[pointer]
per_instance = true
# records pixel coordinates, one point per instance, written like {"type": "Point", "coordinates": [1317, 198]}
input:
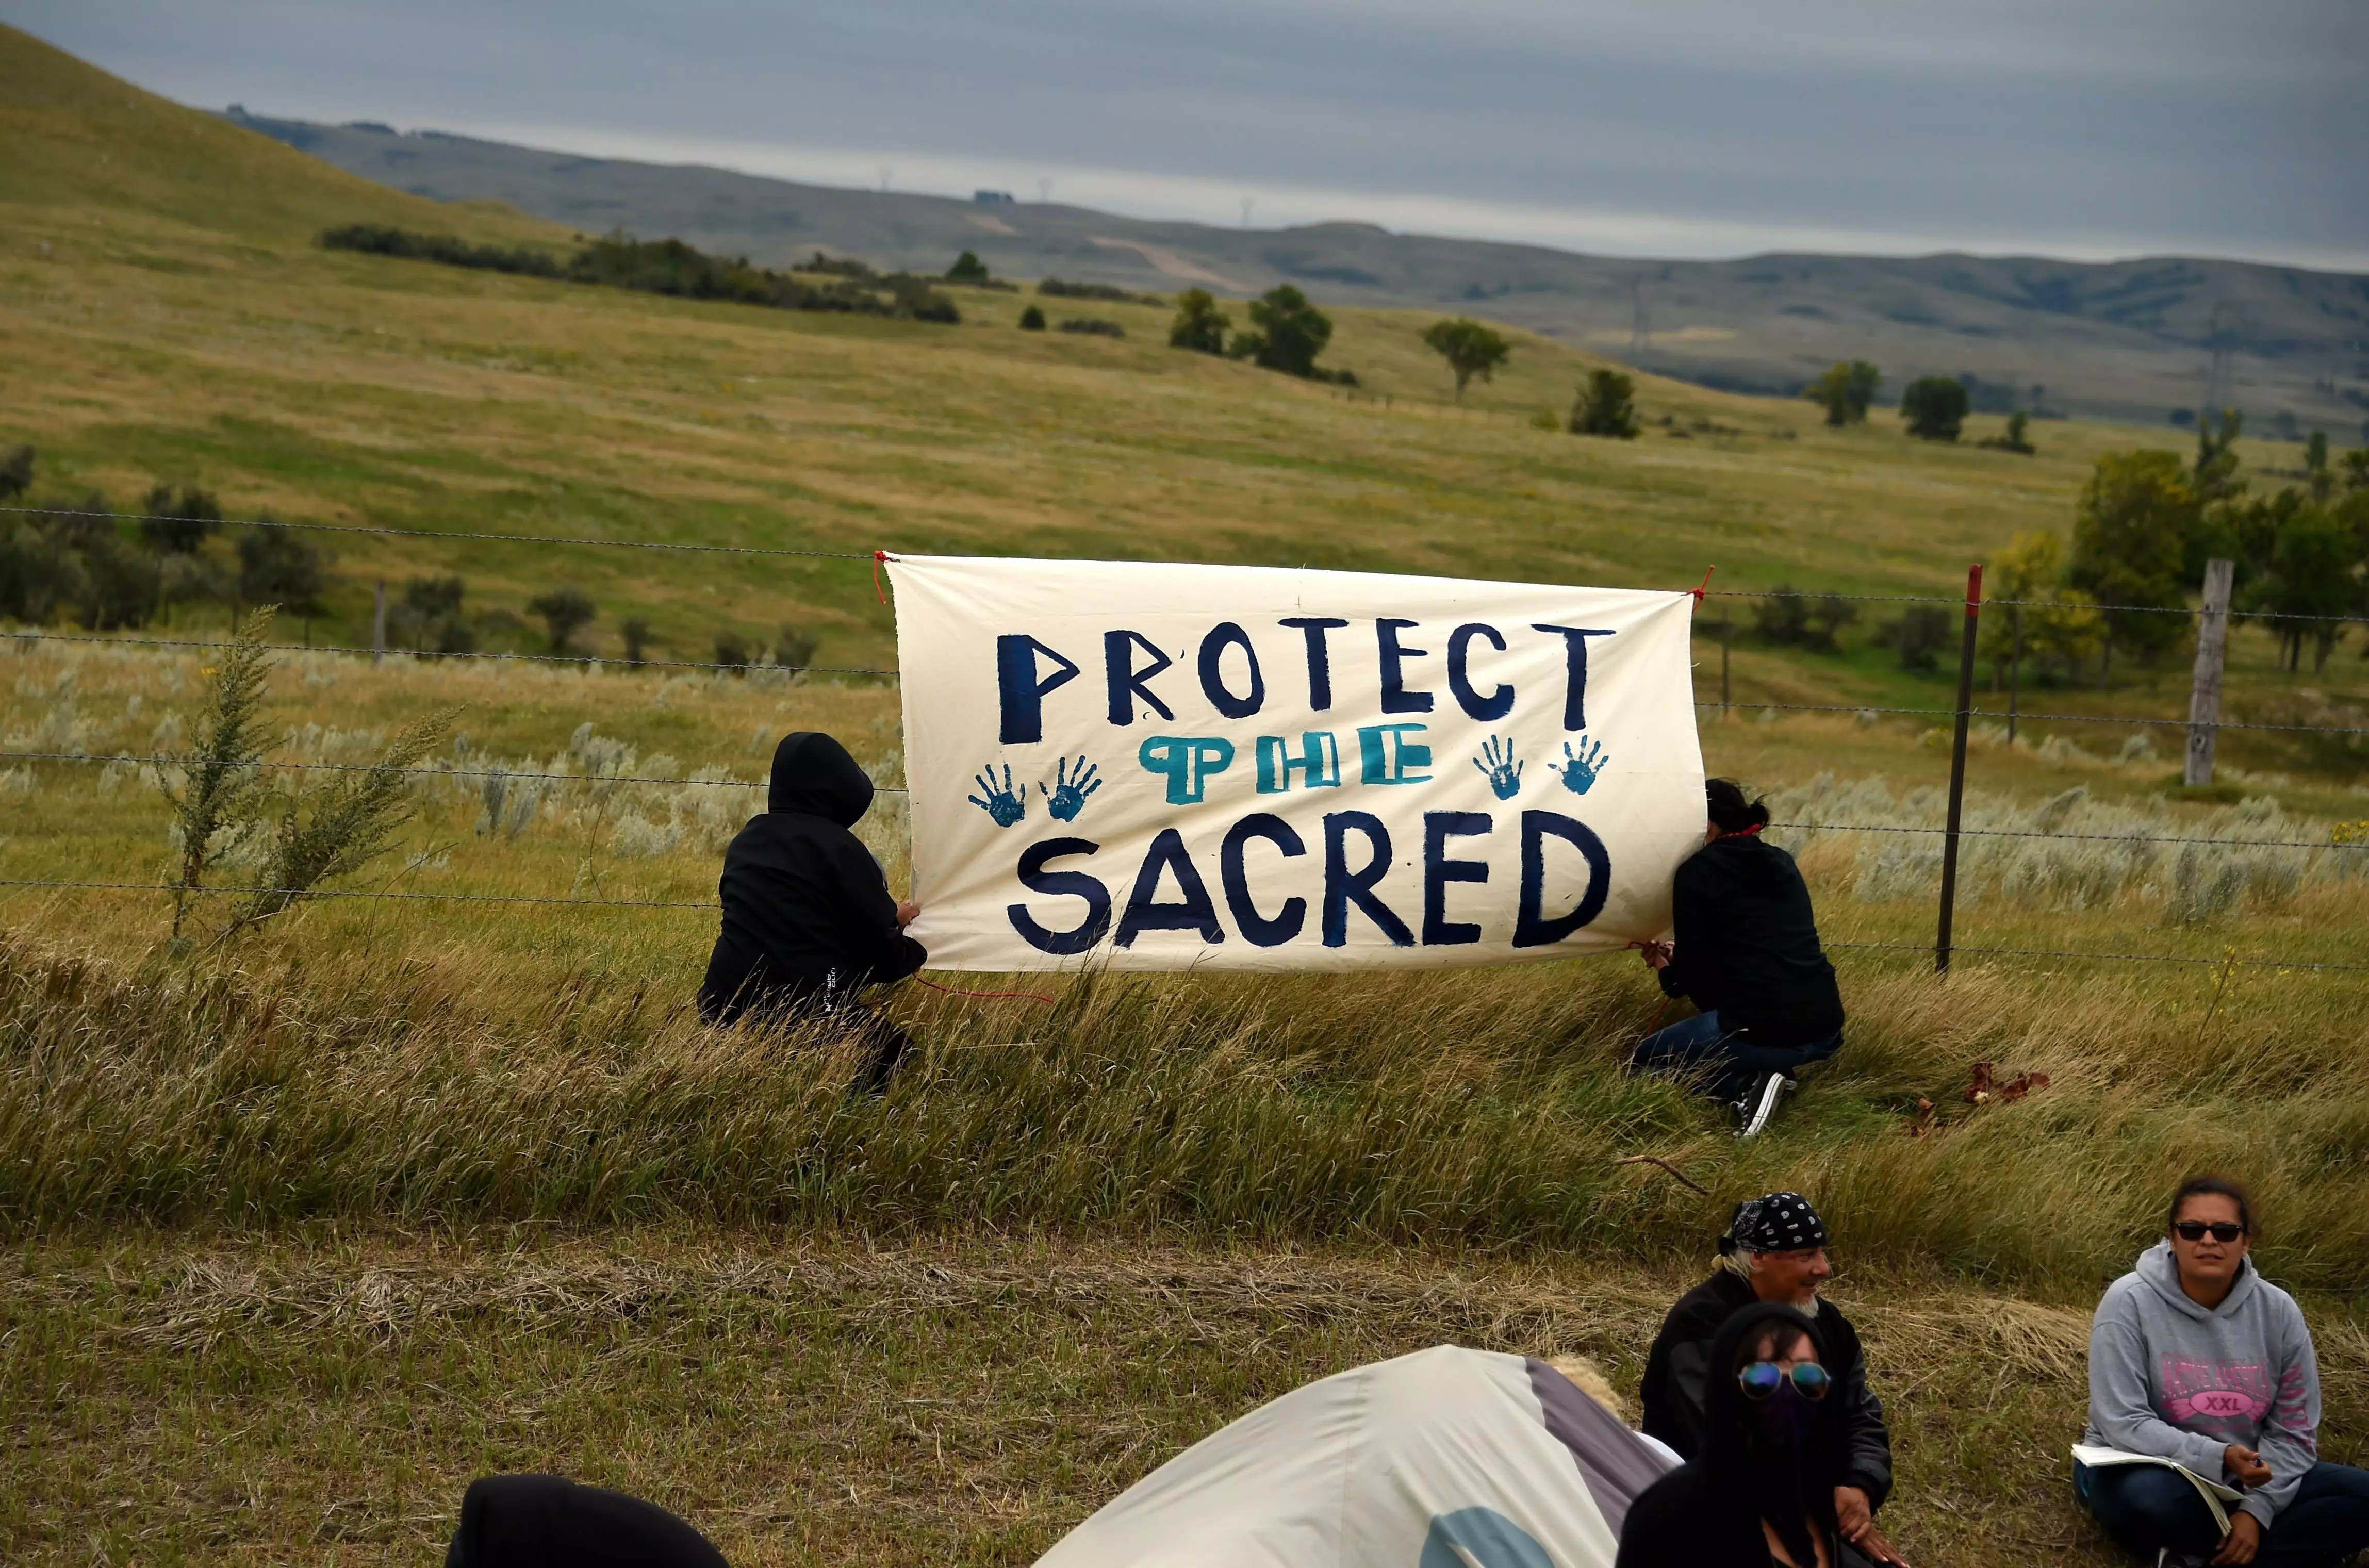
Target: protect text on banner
{"type": "Point", "coordinates": [1165, 767]}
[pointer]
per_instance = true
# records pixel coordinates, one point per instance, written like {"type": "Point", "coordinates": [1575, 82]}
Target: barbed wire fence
{"type": "Point", "coordinates": [2203, 723]}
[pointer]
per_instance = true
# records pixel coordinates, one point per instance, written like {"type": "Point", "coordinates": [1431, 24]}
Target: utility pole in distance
{"type": "Point", "coordinates": [2204, 687]}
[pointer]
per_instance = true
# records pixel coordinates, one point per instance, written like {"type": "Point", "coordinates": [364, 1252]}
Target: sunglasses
{"type": "Point", "coordinates": [2197, 1230]}
{"type": "Point", "coordinates": [1761, 1380]}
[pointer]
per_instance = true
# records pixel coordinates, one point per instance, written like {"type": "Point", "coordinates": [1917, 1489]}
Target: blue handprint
{"type": "Point", "coordinates": [1067, 795]}
{"type": "Point", "coordinates": [1579, 770]}
{"type": "Point", "coordinates": [1006, 805]}
{"type": "Point", "coordinates": [1503, 774]}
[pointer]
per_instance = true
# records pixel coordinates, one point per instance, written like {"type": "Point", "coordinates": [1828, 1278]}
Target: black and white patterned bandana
{"type": "Point", "coordinates": [1774, 1222]}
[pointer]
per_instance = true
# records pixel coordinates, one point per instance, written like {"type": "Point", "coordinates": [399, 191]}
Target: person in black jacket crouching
{"type": "Point", "coordinates": [1745, 952]}
{"type": "Point", "coordinates": [1774, 1251]}
{"type": "Point", "coordinates": [807, 915]}
{"type": "Point", "coordinates": [1760, 1493]}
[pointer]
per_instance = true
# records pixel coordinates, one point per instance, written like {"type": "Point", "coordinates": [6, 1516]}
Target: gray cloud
{"type": "Point", "coordinates": [1710, 127]}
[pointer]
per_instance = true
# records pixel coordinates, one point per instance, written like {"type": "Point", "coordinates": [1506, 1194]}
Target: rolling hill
{"type": "Point", "coordinates": [2125, 339]}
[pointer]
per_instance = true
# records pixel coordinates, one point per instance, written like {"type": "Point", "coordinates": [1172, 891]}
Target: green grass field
{"type": "Point", "coordinates": [308, 1226]}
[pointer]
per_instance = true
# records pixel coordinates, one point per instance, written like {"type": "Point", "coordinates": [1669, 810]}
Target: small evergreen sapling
{"type": "Point", "coordinates": [214, 808]}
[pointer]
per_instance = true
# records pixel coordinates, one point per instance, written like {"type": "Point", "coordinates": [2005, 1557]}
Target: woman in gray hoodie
{"type": "Point", "coordinates": [2196, 1358]}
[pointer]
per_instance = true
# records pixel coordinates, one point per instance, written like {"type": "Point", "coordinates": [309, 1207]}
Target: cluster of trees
{"type": "Point", "coordinates": [971, 272]}
{"type": "Point", "coordinates": [1286, 333]}
{"type": "Point", "coordinates": [1055, 289]}
{"type": "Point", "coordinates": [71, 560]}
{"type": "Point", "coordinates": [1934, 406]}
{"type": "Point", "coordinates": [2147, 524]}
{"type": "Point", "coordinates": [672, 267]}
{"type": "Point", "coordinates": [1846, 391]}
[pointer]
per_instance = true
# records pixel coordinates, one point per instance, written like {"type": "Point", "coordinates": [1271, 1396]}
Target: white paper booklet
{"type": "Point", "coordinates": [2216, 1496]}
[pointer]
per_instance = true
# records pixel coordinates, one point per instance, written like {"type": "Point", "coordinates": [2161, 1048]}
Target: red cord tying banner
{"type": "Point", "coordinates": [988, 995]}
{"type": "Point", "coordinates": [1702, 587]}
{"type": "Point", "coordinates": [880, 556]}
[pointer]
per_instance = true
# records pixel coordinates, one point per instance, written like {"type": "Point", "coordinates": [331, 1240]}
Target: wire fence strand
{"type": "Point", "coordinates": [346, 651]}
{"type": "Point", "coordinates": [1918, 947]}
{"type": "Point", "coordinates": [168, 759]}
{"type": "Point", "coordinates": [356, 893]}
{"type": "Point", "coordinates": [588, 541]}
{"type": "Point", "coordinates": [1926, 948]}
{"type": "Point", "coordinates": [1959, 598]}
{"type": "Point", "coordinates": [448, 534]}
{"type": "Point", "coordinates": [2036, 718]}
{"type": "Point", "coordinates": [163, 758]}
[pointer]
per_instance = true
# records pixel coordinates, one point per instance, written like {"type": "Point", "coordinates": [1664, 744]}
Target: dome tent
{"type": "Point", "coordinates": [1444, 1459]}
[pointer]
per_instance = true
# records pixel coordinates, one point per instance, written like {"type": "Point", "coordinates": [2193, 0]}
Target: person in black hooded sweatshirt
{"type": "Point", "coordinates": [807, 915]}
{"type": "Point", "coordinates": [1745, 952]}
{"type": "Point", "coordinates": [1761, 1492]}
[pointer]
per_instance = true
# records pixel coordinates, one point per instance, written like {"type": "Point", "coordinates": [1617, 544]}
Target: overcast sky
{"type": "Point", "coordinates": [1699, 128]}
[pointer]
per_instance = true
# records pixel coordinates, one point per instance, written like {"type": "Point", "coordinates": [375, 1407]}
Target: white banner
{"type": "Point", "coordinates": [1163, 767]}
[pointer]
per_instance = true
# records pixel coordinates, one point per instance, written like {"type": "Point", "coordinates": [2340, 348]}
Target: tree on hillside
{"type": "Point", "coordinates": [177, 523]}
{"type": "Point", "coordinates": [1031, 320]}
{"type": "Point", "coordinates": [16, 472]}
{"type": "Point", "coordinates": [968, 268]}
{"type": "Point", "coordinates": [565, 612]}
{"type": "Point", "coordinates": [1846, 389]}
{"type": "Point", "coordinates": [1288, 333]}
{"type": "Point", "coordinates": [2058, 624]}
{"type": "Point", "coordinates": [2014, 438]}
{"type": "Point", "coordinates": [2130, 548]}
{"type": "Point", "coordinates": [2214, 475]}
{"type": "Point", "coordinates": [1200, 326]}
{"type": "Point", "coordinates": [2315, 464]}
{"type": "Point", "coordinates": [2312, 577]}
{"type": "Point", "coordinates": [1935, 407]}
{"type": "Point", "coordinates": [275, 566]}
{"type": "Point", "coordinates": [1607, 406]}
{"type": "Point", "coordinates": [1470, 349]}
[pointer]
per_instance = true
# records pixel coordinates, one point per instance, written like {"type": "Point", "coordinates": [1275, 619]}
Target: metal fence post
{"type": "Point", "coordinates": [2204, 688]}
{"type": "Point", "coordinates": [378, 622]}
{"type": "Point", "coordinates": [2014, 668]}
{"type": "Point", "coordinates": [1722, 667]}
{"type": "Point", "coordinates": [1958, 768]}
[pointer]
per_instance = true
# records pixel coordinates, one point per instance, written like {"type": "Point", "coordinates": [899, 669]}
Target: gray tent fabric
{"type": "Point", "coordinates": [1448, 1458]}
{"type": "Point", "coordinates": [1615, 1465]}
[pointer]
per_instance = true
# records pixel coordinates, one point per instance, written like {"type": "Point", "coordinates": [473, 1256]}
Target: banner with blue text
{"type": "Point", "coordinates": [1167, 767]}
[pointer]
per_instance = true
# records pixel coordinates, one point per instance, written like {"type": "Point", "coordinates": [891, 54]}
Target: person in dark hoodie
{"type": "Point", "coordinates": [1745, 951]}
{"type": "Point", "coordinates": [1775, 1251]}
{"type": "Point", "coordinates": [1760, 1492]}
{"type": "Point", "coordinates": [2195, 1358]}
{"type": "Point", "coordinates": [808, 916]}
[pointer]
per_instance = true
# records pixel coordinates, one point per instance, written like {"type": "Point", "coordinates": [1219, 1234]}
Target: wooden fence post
{"type": "Point", "coordinates": [378, 622]}
{"type": "Point", "coordinates": [1958, 769]}
{"type": "Point", "coordinates": [2204, 688]}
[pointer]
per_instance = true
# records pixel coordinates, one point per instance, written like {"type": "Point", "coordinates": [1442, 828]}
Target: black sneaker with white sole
{"type": "Point", "coordinates": [1757, 1107]}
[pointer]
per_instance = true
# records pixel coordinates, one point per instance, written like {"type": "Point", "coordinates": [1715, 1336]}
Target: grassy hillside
{"type": "Point", "coordinates": [173, 320]}
{"type": "Point", "coordinates": [2122, 338]}
{"type": "Point", "coordinates": [312, 1223]}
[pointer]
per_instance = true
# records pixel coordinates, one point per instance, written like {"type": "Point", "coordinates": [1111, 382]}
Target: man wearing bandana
{"type": "Point", "coordinates": [1775, 1251]}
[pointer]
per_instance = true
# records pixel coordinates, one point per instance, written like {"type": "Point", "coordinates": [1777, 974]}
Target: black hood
{"type": "Point", "coordinates": [1774, 1483]}
{"type": "Point", "coordinates": [813, 776]}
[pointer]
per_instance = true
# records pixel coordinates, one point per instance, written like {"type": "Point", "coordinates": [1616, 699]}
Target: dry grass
{"type": "Point", "coordinates": [1477, 1109]}
{"type": "Point", "coordinates": [825, 1399]}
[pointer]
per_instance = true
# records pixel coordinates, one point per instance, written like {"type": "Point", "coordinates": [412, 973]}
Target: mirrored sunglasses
{"type": "Point", "coordinates": [1762, 1378]}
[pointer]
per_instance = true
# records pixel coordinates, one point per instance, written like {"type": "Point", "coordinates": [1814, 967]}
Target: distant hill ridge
{"type": "Point", "coordinates": [2125, 340]}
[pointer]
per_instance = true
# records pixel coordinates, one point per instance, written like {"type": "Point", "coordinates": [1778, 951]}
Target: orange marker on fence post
{"type": "Point", "coordinates": [1958, 769]}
